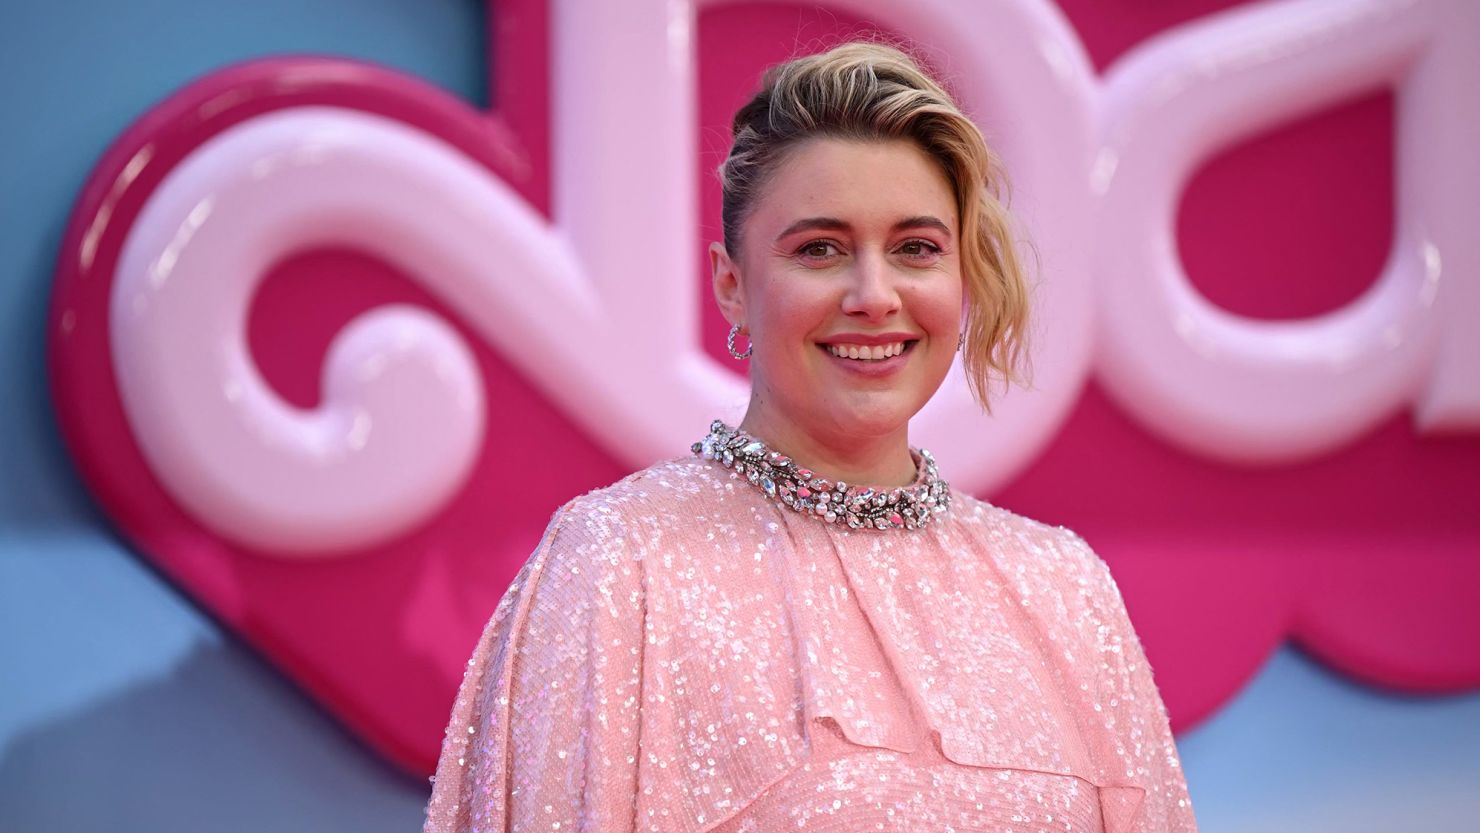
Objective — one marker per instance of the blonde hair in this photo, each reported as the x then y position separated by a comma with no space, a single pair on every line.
870,91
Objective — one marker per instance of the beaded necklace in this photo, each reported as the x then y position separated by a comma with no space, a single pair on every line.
907,507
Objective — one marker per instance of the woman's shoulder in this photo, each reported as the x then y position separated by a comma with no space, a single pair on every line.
1053,560
633,511
977,512
669,486
596,545
1037,540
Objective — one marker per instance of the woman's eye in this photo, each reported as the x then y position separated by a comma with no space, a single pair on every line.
817,250
919,248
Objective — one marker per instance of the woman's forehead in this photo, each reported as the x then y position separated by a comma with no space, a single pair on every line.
832,178
846,184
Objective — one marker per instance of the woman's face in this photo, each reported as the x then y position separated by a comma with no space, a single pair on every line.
849,283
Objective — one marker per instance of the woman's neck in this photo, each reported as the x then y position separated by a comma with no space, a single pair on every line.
882,461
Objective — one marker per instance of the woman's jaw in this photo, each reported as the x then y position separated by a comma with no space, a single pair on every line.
853,423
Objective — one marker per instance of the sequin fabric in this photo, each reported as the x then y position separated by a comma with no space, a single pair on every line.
682,654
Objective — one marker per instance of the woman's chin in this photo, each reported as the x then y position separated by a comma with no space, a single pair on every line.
872,414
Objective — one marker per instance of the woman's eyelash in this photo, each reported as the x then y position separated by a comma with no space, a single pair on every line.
930,248
813,244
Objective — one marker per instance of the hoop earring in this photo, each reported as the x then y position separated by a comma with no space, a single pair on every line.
735,331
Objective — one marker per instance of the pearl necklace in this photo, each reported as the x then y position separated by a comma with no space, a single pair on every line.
908,507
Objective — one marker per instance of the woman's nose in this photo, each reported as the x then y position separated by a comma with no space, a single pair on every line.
871,292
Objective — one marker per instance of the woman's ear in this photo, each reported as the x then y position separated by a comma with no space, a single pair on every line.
726,281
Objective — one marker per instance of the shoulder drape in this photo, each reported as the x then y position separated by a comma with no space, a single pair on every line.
544,731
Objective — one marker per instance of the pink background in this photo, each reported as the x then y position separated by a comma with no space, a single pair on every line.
1366,556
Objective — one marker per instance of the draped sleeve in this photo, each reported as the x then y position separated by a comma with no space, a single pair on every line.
668,658
1137,732
543,734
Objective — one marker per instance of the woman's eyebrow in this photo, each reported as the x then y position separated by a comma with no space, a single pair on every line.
923,221
814,224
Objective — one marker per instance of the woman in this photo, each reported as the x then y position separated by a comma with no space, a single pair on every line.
802,624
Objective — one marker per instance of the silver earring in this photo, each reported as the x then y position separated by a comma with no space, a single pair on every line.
735,331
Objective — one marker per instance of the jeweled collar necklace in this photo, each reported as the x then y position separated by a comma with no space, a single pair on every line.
908,507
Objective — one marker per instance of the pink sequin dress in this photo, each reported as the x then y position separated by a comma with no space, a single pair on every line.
684,654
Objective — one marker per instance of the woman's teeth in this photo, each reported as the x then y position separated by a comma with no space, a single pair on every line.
864,352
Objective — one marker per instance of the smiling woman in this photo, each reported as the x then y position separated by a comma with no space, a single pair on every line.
803,623
848,282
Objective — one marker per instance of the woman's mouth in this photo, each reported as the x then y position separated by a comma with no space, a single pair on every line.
870,359
867,353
